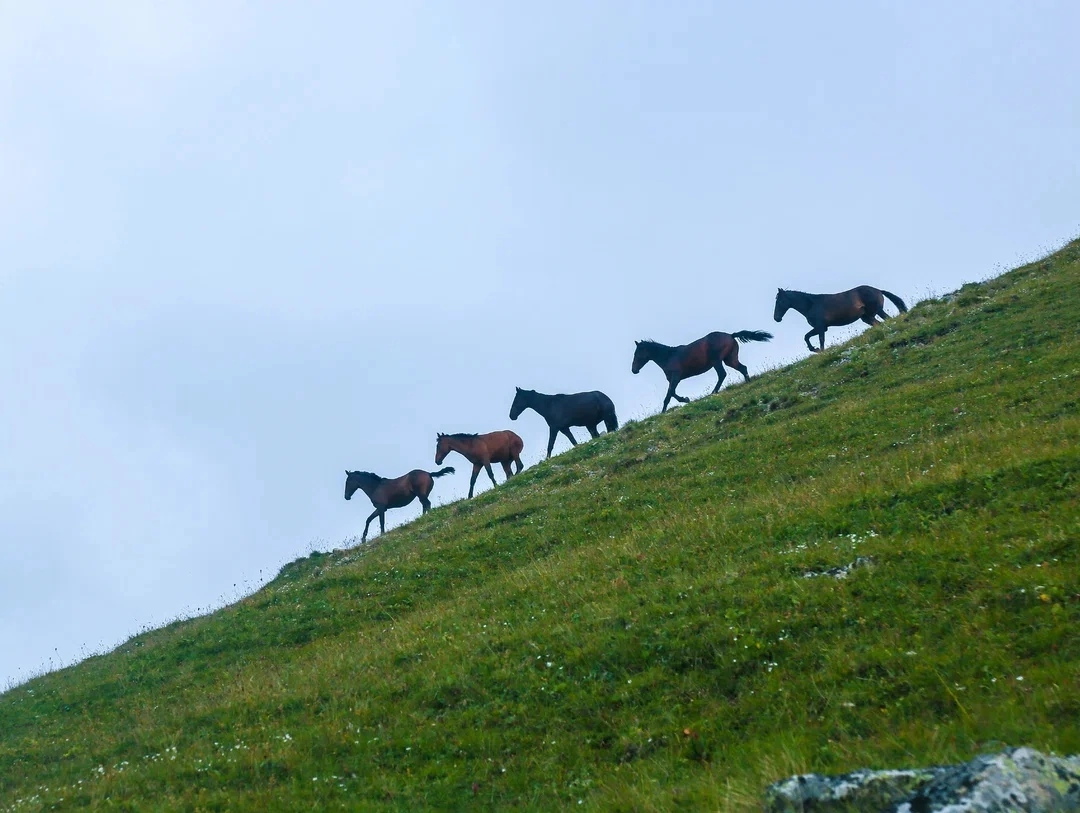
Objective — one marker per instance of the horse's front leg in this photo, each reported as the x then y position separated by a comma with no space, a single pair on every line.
552,434
472,481
672,394
811,347
382,522
490,473
374,514
569,435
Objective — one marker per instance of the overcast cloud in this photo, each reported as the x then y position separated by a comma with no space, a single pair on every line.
244,247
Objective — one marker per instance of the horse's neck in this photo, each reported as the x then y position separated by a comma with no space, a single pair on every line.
369,484
541,403
802,301
462,445
661,353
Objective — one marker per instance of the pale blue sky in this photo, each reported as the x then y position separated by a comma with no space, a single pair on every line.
244,247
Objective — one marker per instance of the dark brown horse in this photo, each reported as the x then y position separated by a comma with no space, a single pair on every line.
482,450
396,493
823,311
710,352
588,409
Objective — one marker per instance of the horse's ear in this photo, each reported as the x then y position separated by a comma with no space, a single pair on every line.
779,290
518,389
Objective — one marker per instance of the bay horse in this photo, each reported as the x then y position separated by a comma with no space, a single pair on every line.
396,493
823,311
588,409
710,352
482,450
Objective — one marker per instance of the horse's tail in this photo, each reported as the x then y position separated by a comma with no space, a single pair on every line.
896,301
752,336
611,421
442,471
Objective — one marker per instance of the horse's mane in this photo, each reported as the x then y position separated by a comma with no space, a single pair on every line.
654,343
459,435
367,475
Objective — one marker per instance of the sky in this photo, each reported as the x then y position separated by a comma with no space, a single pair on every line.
245,247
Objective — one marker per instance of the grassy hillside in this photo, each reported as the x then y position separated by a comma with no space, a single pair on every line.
629,626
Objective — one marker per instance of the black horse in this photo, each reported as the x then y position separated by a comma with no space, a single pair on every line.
392,493
588,409
710,352
823,311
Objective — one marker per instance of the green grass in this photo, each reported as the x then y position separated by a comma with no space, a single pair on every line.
628,625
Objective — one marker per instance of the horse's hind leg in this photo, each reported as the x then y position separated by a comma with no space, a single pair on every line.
592,430
517,463
569,435
506,468
733,362
720,376
425,504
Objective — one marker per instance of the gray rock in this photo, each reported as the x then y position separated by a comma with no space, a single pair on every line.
842,571
1015,780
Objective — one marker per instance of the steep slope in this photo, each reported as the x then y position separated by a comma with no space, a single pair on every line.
631,625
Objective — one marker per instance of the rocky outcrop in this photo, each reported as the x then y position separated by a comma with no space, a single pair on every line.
1017,779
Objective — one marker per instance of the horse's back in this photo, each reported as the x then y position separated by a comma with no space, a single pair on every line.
503,443
605,405
418,477
869,294
583,408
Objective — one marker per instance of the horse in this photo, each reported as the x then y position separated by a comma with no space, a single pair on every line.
710,352
396,493
588,409
482,450
823,311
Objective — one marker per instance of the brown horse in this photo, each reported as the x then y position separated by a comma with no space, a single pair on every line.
823,311
482,450
710,352
396,493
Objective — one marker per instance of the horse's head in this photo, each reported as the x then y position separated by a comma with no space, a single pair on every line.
641,357
353,480
783,302
442,448
519,404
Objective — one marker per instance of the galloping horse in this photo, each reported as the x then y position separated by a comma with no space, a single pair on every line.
396,493
823,311
710,352
588,409
482,450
